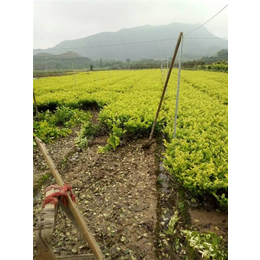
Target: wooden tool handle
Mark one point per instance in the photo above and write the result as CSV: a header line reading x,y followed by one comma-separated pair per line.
x,y
72,206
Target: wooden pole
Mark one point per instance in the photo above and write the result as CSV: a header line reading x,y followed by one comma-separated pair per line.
x,y
46,72
36,107
74,74
76,257
178,89
165,84
72,206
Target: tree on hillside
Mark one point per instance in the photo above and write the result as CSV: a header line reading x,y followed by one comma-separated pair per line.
x,y
222,53
101,63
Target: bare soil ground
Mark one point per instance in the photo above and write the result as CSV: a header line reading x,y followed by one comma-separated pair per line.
x,y
210,221
115,192
118,194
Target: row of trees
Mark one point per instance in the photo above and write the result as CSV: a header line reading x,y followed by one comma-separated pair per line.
x,y
153,64
201,65
128,64
216,63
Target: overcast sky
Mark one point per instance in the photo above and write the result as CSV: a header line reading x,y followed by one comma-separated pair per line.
x,y
55,21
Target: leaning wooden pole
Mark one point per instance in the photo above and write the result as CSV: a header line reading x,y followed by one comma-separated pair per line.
x,y
72,206
36,107
165,84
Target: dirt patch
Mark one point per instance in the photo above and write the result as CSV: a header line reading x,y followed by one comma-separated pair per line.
x,y
210,221
57,150
116,193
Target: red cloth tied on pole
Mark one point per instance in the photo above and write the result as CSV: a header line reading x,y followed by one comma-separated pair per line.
x,y
61,194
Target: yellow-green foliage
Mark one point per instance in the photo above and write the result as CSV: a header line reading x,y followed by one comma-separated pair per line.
x,y
49,126
209,245
198,156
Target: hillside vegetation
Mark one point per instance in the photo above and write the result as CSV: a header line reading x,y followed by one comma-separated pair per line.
x,y
65,61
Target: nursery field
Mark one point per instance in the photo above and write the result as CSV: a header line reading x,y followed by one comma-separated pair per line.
x,y
94,125
197,157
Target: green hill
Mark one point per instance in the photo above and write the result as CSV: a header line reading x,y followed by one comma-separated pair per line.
x,y
68,60
221,55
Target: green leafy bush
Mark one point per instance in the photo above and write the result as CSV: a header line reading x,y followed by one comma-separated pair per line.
x,y
64,116
88,130
209,245
114,137
51,125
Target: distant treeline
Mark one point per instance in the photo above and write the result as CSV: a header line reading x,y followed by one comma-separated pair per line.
x,y
216,63
61,64
221,56
65,61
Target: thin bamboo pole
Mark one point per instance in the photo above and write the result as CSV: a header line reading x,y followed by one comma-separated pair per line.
x,y
36,107
72,206
178,89
165,84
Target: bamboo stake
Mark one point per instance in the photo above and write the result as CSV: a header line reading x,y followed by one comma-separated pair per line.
x,y
165,84
36,107
76,257
72,206
177,95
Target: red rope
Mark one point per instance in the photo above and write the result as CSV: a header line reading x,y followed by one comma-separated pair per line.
x,y
55,196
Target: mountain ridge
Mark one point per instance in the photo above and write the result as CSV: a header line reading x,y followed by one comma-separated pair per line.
x,y
145,41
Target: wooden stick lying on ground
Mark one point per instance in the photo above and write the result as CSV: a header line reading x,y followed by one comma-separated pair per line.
x,y
72,206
